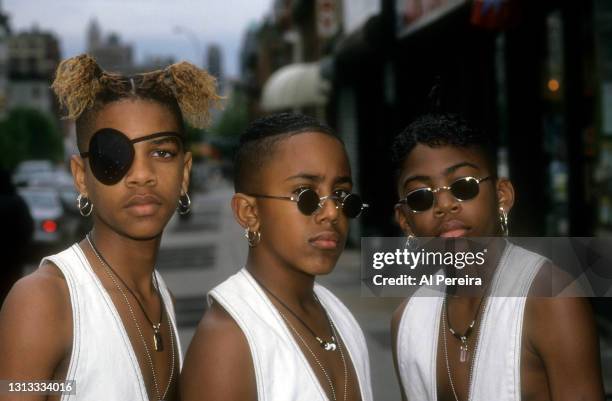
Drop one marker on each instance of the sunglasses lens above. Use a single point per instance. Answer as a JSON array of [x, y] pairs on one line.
[[352, 205], [308, 202], [420, 200], [110, 155], [465, 189]]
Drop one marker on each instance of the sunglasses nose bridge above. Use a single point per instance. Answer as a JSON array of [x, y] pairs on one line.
[[323, 199], [445, 201], [337, 201], [325, 212]]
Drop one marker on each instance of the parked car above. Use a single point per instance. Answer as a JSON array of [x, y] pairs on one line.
[[30, 169], [52, 228]]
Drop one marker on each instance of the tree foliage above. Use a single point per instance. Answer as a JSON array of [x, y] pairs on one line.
[[29, 134], [234, 119]]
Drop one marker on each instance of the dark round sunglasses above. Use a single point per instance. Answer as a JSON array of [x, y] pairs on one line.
[[423, 199], [309, 202], [111, 153]]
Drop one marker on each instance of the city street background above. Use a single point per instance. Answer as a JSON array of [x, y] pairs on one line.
[[536, 76]]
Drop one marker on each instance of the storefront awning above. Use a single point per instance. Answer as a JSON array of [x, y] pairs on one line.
[[294, 86]]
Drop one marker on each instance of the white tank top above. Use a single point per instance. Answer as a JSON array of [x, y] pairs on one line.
[[496, 374], [282, 372], [103, 363]]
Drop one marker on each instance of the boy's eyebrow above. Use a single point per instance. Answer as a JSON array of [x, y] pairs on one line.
[[447, 171], [304, 176], [318, 178], [415, 178], [164, 139], [457, 166]]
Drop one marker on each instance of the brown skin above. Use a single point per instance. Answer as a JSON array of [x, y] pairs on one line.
[[36, 319], [560, 351], [286, 261]]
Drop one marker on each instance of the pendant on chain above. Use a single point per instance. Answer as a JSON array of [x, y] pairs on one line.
[[158, 344], [464, 354], [328, 345]]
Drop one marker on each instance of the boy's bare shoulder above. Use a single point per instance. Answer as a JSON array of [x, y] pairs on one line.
[[552, 281], [43, 291], [39, 300], [219, 332], [219, 348], [36, 321]]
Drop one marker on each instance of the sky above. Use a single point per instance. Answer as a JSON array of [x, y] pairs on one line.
[[149, 25]]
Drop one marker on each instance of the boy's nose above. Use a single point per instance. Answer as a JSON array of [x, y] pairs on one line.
[[328, 209], [142, 172], [445, 202]]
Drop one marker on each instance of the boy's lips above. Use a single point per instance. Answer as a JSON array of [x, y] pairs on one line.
[[143, 204], [452, 229], [325, 240]]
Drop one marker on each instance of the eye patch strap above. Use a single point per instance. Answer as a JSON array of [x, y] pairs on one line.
[[146, 138]]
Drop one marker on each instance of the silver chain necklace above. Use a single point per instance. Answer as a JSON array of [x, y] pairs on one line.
[[448, 369], [132, 314], [331, 344], [329, 381]]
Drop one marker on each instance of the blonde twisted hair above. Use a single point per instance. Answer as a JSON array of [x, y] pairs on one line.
[[81, 85]]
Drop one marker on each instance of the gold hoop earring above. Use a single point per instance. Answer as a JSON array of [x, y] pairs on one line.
[[253, 237], [84, 205]]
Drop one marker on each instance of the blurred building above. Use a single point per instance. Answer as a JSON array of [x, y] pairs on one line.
[[284, 58], [109, 51], [115, 56], [33, 57], [534, 75], [4, 61], [537, 76], [214, 64]]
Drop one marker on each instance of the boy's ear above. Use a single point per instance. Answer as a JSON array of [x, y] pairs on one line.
[[402, 221], [77, 167], [505, 194], [245, 211]]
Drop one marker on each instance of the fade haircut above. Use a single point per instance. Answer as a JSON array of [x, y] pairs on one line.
[[259, 140], [83, 89], [441, 129]]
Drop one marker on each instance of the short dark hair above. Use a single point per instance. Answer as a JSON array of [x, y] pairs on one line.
[[441, 129], [258, 141]]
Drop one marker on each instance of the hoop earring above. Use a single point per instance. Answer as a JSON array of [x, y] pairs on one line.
[[503, 221], [184, 204], [84, 205], [252, 237], [411, 243]]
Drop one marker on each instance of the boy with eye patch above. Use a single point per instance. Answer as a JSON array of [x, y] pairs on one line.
[[498, 341], [98, 316], [271, 332]]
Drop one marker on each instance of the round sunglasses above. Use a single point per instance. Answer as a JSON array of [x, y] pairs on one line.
[[309, 202], [422, 199], [111, 153]]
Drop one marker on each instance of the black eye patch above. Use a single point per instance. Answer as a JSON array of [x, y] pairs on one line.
[[111, 153]]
